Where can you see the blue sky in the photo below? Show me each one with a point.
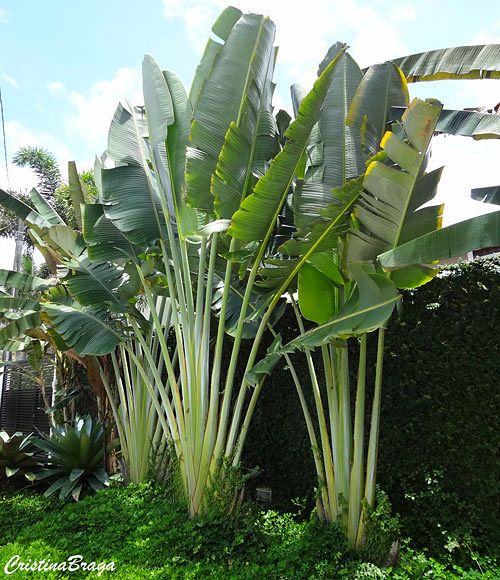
(64, 64)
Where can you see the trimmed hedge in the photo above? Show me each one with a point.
(440, 414)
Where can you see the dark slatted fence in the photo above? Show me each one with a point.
(22, 407)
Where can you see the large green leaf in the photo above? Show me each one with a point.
(259, 211)
(383, 86)
(248, 142)
(461, 62)
(105, 242)
(76, 191)
(464, 123)
(21, 210)
(86, 330)
(369, 307)
(316, 295)
(21, 281)
(44, 208)
(18, 327)
(240, 63)
(479, 232)
(95, 284)
(389, 212)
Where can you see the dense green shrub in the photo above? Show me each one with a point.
(441, 412)
(440, 415)
(148, 535)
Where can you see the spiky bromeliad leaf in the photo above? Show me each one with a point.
(258, 212)
(228, 81)
(479, 232)
(369, 307)
(389, 211)
(85, 330)
(461, 62)
(464, 123)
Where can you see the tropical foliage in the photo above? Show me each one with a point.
(194, 192)
(18, 455)
(75, 460)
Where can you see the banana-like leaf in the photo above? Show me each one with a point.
(21, 281)
(222, 27)
(464, 123)
(130, 192)
(177, 140)
(343, 158)
(105, 242)
(249, 142)
(18, 328)
(240, 69)
(14, 303)
(325, 225)
(461, 62)
(316, 295)
(86, 330)
(44, 208)
(21, 210)
(168, 116)
(65, 241)
(487, 194)
(369, 307)
(95, 284)
(76, 191)
(389, 212)
(258, 212)
(479, 232)
(383, 86)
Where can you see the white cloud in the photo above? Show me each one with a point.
(4, 17)
(11, 80)
(304, 35)
(56, 87)
(95, 107)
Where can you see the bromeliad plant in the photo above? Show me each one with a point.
(75, 460)
(18, 455)
(192, 192)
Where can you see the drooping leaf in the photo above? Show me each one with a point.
(487, 194)
(464, 123)
(21, 281)
(461, 62)
(479, 232)
(316, 295)
(85, 330)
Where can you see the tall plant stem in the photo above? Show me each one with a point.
(331, 508)
(357, 475)
(371, 464)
